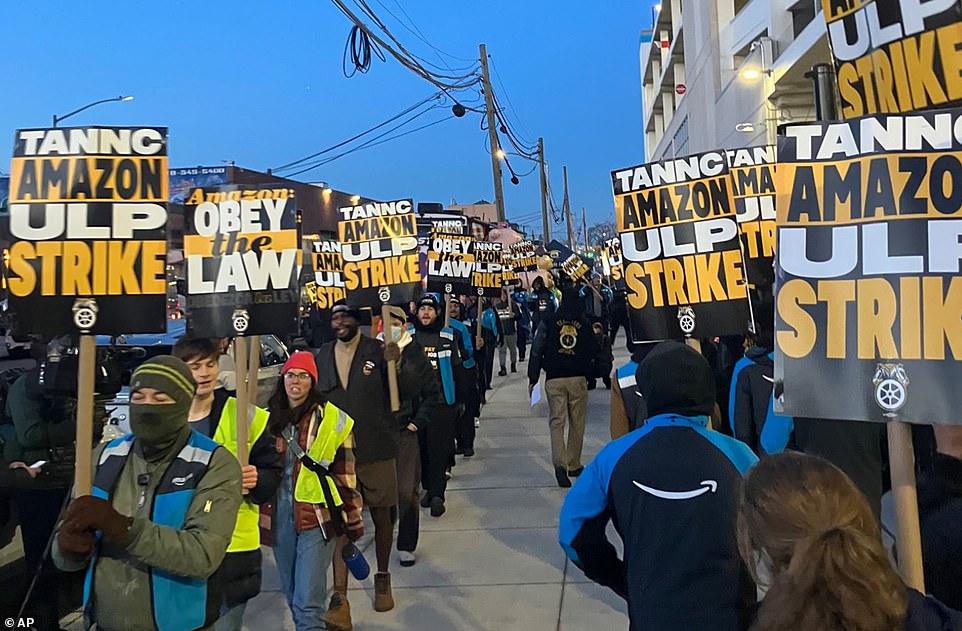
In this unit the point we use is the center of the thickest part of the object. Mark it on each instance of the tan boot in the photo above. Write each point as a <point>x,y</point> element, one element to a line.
<point>338,616</point>
<point>383,599</point>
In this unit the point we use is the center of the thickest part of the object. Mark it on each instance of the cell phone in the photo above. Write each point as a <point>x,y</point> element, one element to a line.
<point>38,464</point>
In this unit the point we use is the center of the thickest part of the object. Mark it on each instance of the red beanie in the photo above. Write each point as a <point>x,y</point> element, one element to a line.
<point>303,360</point>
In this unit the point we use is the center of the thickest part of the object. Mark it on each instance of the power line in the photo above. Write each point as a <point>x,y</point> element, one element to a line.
<point>420,35</point>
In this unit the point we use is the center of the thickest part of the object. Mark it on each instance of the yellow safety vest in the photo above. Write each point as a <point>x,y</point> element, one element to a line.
<point>246,535</point>
<point>334,429</point>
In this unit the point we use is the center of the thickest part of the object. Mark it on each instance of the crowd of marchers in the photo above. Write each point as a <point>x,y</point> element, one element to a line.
<point>713,538</point>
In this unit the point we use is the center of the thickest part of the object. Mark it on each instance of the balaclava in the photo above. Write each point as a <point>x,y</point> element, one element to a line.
<point>160,427</point>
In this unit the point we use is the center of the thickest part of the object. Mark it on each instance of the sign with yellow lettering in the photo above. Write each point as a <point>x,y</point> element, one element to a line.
<point>242,254</point>
<point>328,273</point>
<point>379,244</point>
<point>680,248</point>
<point>566,261</point>
<point>88,225</point>
<point>523,256</point>
<point>895,56</point>
<point>611,263</point>
<point>450,262</point>
<point>752,172</point>
<point>868,294</point>
<point>487,277</point>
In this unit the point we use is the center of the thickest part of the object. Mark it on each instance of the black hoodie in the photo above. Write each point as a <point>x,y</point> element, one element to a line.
<point>564,345</point>
<point>751,391</point>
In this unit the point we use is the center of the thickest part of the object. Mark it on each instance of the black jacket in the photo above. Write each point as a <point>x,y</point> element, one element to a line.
<point>751,391</point>
<point>564,346</point>
<point>416,375</point>
<point>940,511</point>
<point>366,399</point>
<point>510,314</point>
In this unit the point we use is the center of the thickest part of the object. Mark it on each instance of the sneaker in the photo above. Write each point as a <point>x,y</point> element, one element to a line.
<point>407,558</point>
<point>514,367</point>
<point>502,373</point>
<point>468,452</point>
<point>574,473</point>
<point>425,500</point>
<point>338,616</point>
<point>383,599</point>
<point>477,422</point>
<point>447,474</point>
<point>561,475</point>
<point>458,451</point>
<point>437,507</point>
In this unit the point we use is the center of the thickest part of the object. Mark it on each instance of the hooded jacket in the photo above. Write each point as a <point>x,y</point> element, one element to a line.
<point>751,391</point>
<point>564,345</point>
<point>442,350</point>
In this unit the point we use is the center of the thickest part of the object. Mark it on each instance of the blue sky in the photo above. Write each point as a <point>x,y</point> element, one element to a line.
<point>261,83</point>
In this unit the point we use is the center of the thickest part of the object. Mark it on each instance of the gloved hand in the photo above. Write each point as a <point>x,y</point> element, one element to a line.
<point>392,352</point>
<point>75,544</point>
<point>88,513</point>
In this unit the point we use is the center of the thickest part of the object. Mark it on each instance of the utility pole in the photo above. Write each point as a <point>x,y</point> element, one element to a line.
<point>567,208</point>
<point>584,227</point>
<point>492,135</point>
<point>545,226</point>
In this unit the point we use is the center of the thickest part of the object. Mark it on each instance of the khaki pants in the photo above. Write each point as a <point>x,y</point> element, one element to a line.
<point>566,396</point>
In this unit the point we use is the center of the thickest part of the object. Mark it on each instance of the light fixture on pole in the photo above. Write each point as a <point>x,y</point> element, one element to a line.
<point>59,119</point>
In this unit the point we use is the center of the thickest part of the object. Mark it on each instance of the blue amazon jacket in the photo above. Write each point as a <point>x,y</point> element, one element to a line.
<point>670,488</point>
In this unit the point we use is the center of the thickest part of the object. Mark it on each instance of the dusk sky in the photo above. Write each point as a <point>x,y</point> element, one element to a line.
<point>261,84</point>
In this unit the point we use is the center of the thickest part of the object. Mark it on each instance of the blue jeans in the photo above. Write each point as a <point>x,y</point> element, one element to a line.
<point>302,562</point>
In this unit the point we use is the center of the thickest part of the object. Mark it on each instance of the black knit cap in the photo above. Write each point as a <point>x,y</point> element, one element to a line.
<point>168,374</point>
<point>429,300</point>
<point>675,378</point>
<point>342,307</point>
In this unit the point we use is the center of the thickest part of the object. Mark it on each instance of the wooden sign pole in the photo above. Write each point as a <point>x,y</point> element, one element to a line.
<point>85,415</point>
<point>908,532</point>
<point>388,325</point>
<point>447,310</point>
<point>241,360</point>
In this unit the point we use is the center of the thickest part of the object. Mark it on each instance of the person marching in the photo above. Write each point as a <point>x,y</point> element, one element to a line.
<point>413,418</point>
<point>520,298</point>
<point>163,509</point>
<point>542,303</point>
<point>303,527</point>
<point>213,413</point>
<point>467,379</point>
<point>628,408</point>
<point>437,444</point>
<point>509,314</point>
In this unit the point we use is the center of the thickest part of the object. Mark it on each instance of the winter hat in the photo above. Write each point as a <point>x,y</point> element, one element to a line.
<point>168,374</point>
<point>342,307</point>
<point>430,300</point>
<point>676,378</point>
<point>302,360</point>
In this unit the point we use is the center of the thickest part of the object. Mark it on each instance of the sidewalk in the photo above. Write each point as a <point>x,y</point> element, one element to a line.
<point>492,561</point>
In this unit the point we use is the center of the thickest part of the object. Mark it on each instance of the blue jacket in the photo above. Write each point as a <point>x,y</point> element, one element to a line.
<point>671,489</point>
<point>464,336</point>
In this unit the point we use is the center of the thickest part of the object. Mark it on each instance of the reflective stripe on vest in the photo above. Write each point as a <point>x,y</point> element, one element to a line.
<point>246,535</point>
<point>334,429</point>
<point>179,603</point>
<point>626,375</point>
<point>635,407</point>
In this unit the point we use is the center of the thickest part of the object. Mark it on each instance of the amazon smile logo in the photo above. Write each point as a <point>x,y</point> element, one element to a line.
<point>707,486</point>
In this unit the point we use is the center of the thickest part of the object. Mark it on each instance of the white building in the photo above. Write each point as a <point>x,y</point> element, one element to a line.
<point>721,74</point>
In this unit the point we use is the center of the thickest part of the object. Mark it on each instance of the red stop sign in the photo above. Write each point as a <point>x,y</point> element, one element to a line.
<point>680,89</point>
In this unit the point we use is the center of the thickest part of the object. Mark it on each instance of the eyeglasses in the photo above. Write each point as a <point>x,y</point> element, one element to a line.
<point>299,376</point>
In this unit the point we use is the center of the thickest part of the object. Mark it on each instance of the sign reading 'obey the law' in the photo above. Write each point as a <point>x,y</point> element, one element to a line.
<point>88,220</point>
<point>450,262</point>
<point>680,248</point>
<point>242,251</point>
<point>379,245</point>
<point>868,293</point>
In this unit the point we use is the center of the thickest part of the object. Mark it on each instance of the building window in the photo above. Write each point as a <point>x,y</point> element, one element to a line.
<point>803,12</point>
<point>738,5</point>
<point>680,140</point>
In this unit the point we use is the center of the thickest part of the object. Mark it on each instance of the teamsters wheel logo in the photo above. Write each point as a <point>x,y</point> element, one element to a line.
<point>448,288</point>
<point>480,291</point>
<point>568,338</point>
<point>85,313</point>
<point>891,387</point>
<point>686,319</point>
<point>241,319</point>
<point>384,294</point>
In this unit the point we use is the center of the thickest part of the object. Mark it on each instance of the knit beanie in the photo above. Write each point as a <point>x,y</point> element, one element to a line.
<point>675,378</point>
<point>430,300</point>
<point>301,360</point>
<point>168,374</point>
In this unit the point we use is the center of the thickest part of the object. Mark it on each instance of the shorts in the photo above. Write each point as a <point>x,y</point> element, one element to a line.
<point>377,482</point>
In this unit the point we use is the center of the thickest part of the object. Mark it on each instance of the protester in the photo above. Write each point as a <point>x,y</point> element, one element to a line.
<point>628,408</point>
<point>468,393</point>
<point>437,443</point>
<point>671,488</point>
<point>508,315</point>
<point>565,347</point>
<point>618,314</point>
<point>414,416</point>
<point>752,385</point>
<point>807,526</point>
<point>354,377</point>
<point>597,299</point>
<point>304,526</point>
<point>541,303</point>
<point>520,298</point>
<point>604,361</point>
<point>163,509</point>
<point>214,414</point>
<point>493,336</point>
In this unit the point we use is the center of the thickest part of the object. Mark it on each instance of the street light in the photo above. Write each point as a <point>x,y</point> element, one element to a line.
<point>58,119</point>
